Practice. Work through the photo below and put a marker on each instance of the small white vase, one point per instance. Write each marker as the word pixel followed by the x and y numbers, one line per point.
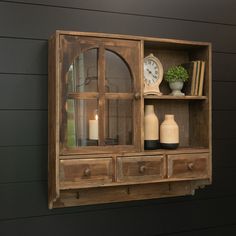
pixel 176 88
pixel 169 133
pixel 151 129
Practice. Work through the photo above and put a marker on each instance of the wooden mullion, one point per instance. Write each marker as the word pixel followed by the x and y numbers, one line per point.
pixel 119 96
pixel 101 100
pixel 83 95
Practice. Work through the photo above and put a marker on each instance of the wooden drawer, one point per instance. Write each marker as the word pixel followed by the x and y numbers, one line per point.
pixel 85 172
pixel 188 166
pixel 140 168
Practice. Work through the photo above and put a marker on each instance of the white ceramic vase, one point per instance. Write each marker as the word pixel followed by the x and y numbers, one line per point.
pixel 151 129
pixel 169 133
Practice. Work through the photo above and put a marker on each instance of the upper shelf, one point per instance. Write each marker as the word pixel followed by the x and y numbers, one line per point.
pixel 169 97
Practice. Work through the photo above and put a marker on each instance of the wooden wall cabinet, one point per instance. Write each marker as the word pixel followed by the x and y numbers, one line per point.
pixel 96 108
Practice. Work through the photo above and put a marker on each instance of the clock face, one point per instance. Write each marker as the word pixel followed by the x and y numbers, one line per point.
pixel 153 75
pixel 151 72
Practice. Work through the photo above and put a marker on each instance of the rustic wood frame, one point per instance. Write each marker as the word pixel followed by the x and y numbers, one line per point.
pixel 135 188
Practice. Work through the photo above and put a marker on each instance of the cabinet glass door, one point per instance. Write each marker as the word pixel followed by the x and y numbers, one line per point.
pixel 98 85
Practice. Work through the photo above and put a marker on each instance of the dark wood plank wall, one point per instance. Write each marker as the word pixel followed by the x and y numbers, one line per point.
pixel 25 26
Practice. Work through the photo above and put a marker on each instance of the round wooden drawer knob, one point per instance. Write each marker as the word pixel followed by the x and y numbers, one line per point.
pixel 142 169
pixel 190 166
pixel 87 172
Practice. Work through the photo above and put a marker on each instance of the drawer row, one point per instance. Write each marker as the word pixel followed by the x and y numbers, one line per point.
pixel 94 172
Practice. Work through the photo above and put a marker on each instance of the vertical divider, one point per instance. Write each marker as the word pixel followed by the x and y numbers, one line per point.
pixel 142 97
pixel 101 98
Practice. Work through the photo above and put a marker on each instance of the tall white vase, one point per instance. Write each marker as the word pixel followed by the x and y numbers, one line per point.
pixel 151 129
pixel 169 133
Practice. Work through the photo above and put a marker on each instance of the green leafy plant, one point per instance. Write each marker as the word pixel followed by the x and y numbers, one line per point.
pixel 176 73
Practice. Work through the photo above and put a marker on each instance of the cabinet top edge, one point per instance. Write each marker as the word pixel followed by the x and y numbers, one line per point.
pixel 133 37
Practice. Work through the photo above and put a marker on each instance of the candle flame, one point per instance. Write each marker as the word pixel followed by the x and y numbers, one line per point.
pixel 96 117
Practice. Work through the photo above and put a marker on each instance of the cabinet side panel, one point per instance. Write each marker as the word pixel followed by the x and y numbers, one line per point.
pixel 53 190
pixel 200 113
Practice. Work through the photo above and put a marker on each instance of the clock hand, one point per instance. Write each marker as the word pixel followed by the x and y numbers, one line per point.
pixel 150 72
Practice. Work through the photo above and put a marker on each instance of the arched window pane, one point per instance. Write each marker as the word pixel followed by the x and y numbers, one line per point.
pixel 118 76
pixel 83 72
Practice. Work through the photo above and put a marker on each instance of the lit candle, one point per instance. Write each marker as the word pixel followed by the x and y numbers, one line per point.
pixel 93 128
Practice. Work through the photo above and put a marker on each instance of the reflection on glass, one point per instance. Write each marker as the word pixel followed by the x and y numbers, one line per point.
pixel 118 77
pixel 83 73
pixel 82 122
pixel 118 122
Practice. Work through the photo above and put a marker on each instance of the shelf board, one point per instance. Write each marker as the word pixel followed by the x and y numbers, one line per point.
pixel 179 150
pixel 169 97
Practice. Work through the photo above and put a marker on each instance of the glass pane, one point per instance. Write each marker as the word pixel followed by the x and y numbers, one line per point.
pixel 83 73
pixel 118 77
pixel 118 122
pixel 82 122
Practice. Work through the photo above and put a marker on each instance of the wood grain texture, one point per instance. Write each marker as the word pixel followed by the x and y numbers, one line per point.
pixel 140 169
pixel 123 193
pixel 94 173
pixel 14 163
pixel 54 117
pixel 188 166
pixel 85 172
pixel 38 59
pixel 34 198
pixel 34 125
pixel 30 56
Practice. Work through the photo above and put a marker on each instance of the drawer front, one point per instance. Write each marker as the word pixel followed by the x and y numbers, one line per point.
pixel 85 172
pixel 188 166
pixel 140 168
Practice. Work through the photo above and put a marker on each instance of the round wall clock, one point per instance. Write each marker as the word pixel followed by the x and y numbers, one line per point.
pixel 153 75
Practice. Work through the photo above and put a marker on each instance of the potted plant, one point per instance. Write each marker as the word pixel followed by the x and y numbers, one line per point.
pixel 176 76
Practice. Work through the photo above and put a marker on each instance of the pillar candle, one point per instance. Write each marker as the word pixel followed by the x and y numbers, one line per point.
pixel 93 129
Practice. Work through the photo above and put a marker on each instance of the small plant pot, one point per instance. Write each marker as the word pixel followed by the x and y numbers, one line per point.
pixel 176 88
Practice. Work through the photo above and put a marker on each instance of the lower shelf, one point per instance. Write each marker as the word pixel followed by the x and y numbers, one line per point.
pixel 69 198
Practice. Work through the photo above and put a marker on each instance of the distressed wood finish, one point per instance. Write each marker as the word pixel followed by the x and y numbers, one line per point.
pixel 80 173
pixel 109 173
pixel 129 50
pixel 168 97
pixel 141 168
pixel 188 166
pixel 53 121
pixel 124 193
